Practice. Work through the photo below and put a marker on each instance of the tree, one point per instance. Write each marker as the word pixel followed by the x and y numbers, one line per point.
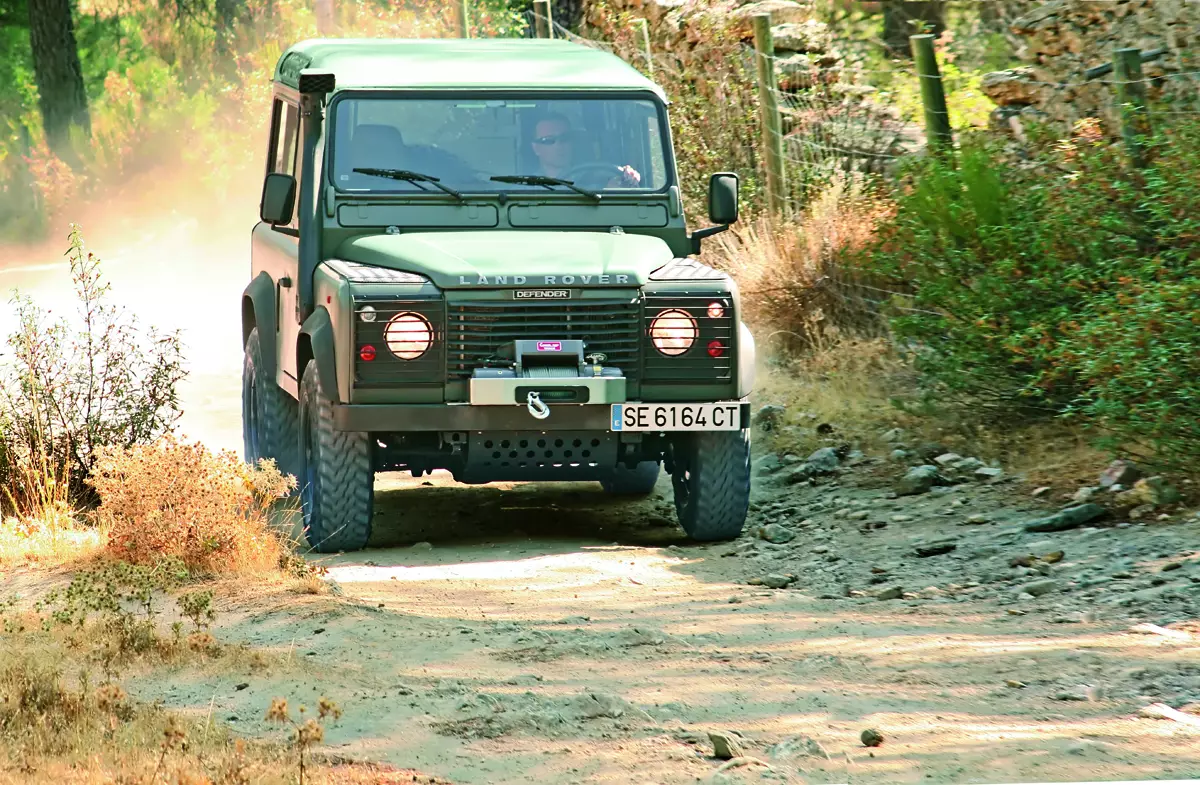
pixel 899 17
pixel 58 74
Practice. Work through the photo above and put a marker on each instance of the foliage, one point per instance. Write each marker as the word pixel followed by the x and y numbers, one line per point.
pixel 68 392
pixel 170 84
pixel 212 511
pixel 306 732
pixel 714 112
pixel 1063 285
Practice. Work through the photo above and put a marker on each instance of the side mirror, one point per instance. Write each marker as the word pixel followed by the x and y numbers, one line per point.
pixel 723 198
pixel 278 199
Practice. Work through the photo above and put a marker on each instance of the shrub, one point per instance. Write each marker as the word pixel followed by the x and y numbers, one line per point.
pixel 1066 284
pixel 69 391
pixel 180 500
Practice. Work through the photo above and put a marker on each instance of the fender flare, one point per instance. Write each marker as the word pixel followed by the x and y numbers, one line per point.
pixel 258 310
pixel 316 343
pixel 746 361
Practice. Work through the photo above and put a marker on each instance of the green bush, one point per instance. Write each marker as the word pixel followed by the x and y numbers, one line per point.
pixel 1065 283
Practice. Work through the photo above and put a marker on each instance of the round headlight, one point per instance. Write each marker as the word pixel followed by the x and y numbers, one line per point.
pixel 673 332
pixel 408 335
pixel 367 314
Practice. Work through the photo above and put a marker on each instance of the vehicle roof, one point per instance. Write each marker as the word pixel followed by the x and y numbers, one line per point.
pixel 487 63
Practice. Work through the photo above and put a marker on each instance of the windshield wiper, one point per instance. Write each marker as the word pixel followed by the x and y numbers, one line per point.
pixel 405 175
pixel 537 179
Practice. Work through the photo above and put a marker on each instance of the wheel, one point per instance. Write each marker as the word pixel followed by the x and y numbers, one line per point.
pixel 269 415
pixel 638 481
pixel 711 478
pixel 337 475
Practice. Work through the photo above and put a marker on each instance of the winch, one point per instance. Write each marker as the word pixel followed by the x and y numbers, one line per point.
pixel 536 373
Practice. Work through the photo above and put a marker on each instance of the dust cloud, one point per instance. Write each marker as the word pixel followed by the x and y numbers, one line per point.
pixel 177 258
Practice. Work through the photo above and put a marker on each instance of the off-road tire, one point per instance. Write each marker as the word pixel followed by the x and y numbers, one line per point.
pixel 337 474
pixel 711 479
pixel 637 481
pixel 270 417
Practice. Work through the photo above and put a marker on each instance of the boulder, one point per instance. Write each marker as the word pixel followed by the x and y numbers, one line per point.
pixel 918 480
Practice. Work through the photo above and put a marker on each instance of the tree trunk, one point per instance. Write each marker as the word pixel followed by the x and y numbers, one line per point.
pixel 898 18
pixel 228 14
pixel 58 74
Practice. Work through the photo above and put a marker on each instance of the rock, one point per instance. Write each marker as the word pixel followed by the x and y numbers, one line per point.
pixel 890 593
pixel 893 436
pixel 1070 518
pixel 1155 490
pixel 799 747
pixel 726 746
pixel 1042 491
pixel 947 459
pixel 1141 511
pixel 799 475
pixel 597 704
pixel 1087 747
pixel 930 450
pixel 979 518
pixel 871 738
pixel 918 480
pixel 936 548
pixel 1084 495
pixel 899 456
pixel 824 460
pixel 776 533
pixel 777 581
pixel 1038 588
pixel 1015 87
pixel 1014 684
pixel 1120 472
pixel 969 465
pixel 808 36
pixel 768 417
pixel 1078 694
pixel 988 472
pixel 422 546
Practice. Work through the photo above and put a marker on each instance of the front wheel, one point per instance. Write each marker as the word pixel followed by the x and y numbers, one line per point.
pixel 269 415
pixel 337 475
pixel 637 481
pixel 711 479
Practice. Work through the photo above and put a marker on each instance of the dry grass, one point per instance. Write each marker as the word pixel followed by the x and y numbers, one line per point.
pixel 797 289
pixel 174 499
pixel 863 389
pixel 53 542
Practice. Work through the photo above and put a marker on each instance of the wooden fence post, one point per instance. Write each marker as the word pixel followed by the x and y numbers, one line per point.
pixel 645 25
pixel 464 19
pixel 933 94
pixel 1131 103
pixel 768 105
pixel 542 19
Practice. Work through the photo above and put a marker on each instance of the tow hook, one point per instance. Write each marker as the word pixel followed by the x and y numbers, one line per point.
pixel 537 407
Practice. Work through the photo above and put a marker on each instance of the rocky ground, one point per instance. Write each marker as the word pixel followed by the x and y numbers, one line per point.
pixel 878 621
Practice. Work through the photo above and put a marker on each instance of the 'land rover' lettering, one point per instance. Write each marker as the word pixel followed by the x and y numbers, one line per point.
pixel 546 280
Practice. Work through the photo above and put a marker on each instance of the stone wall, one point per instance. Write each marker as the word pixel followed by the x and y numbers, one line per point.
pixel 1062 39
pixel 823 116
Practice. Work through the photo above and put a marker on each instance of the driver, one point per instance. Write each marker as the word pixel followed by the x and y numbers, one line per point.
pixel 553 144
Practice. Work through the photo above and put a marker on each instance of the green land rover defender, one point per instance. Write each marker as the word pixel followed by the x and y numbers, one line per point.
pixel 472 256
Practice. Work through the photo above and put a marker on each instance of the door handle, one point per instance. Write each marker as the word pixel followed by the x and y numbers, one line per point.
pixel 285 283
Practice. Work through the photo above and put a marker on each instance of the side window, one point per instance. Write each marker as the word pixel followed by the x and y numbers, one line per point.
pixel 285 138
pixel 285 144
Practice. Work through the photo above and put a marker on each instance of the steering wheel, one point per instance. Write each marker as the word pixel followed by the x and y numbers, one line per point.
pixel 592 172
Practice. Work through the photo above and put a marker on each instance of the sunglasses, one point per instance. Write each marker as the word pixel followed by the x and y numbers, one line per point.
pixel 553 139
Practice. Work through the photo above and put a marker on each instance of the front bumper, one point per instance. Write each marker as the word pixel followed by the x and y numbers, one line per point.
pixel 466 417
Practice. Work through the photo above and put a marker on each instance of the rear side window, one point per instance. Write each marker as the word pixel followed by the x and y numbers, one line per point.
pixel 286 138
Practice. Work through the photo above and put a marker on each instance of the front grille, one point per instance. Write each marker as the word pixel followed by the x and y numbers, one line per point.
pixel 475 330
pixel 388 370
pixel 694 366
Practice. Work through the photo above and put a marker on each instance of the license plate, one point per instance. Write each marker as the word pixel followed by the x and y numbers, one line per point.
pixel 676 417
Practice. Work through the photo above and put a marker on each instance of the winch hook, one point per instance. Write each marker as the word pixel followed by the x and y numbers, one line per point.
pixel 537 407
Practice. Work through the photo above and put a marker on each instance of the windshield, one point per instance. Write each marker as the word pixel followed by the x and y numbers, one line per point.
pixel 601 144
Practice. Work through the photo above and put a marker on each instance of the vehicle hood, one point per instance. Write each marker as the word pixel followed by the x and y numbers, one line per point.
pixel 472 260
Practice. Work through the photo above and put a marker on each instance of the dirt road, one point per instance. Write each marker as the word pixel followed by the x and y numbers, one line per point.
pixel 526 633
